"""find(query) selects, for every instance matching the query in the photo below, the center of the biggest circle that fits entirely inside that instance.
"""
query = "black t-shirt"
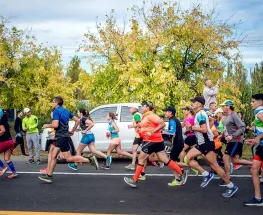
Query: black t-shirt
(6, 136)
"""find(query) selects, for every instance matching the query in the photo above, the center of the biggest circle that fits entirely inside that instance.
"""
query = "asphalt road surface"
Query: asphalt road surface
(104, 192)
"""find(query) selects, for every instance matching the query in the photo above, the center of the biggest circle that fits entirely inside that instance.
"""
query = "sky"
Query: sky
(63, 23)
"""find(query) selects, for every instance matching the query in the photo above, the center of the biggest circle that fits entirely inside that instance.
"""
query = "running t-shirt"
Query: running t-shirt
(221, 127)
(83, 125)
(111, 128)
(258, 124)
(200, 119)
(6, 136)
(191, 121)
(62, 115)
(137, 117)
(149, 122)
(218, 143)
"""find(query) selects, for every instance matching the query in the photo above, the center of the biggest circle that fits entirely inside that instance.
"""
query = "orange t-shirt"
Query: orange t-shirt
(149, 122)
(218, 143)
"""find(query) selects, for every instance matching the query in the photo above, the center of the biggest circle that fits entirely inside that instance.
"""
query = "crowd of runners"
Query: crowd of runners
(202, 133)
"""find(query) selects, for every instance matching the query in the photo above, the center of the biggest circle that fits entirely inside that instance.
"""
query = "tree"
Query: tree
(162, 56)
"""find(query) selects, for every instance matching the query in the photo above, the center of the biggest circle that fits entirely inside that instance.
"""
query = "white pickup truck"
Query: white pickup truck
(98, 116)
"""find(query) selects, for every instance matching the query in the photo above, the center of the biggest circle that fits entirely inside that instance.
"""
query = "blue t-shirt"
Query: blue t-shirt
(111, 128)
(171, 127)
(62, 115)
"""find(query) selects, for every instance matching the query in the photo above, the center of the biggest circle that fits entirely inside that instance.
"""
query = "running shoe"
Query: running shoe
(230, 192)
(30, 161)
(216, 176)
(94, 162)
(161, 164)
(207, 179)
(73, 166)
(231, 168)
(109, 160)
(153, 163)
(45, 178)
(45, 170)
(142, 178)
(38, 162)
(130, 182)
(237, 166)
(185, 176)
(13, 175)
(195, 172)
(254, 202)
(175, 183)
(130, 167)
(3, 171)
(104, 166)
(222, 184)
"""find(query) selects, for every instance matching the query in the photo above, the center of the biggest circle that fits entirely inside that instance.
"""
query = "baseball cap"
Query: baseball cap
(133, 106)
(171, 109)
(1, 112)
(227, 102)
(199, 99)
(188, 108)
(219, 110)
(26, 110)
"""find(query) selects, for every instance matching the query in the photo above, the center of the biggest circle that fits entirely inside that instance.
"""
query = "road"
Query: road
(104, 192)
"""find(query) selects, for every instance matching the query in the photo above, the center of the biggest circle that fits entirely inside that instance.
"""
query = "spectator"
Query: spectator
(29, 125)
(19, 132)
(210, 93)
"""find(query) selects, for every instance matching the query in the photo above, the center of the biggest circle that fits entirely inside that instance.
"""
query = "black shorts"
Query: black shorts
(259, 154)
(190, 140)
(63, 143)
(205, 148)
(137, 141)
(175, 152)
(234, 148)
(150, 147)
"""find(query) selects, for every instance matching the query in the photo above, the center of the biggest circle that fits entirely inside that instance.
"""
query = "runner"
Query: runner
(134, 110)
(88, 138)
(257, 106)
(176, 135)
(60, 122)
(150, 130)
(206, 147)
(19, 132)
(6, 146)
(234, 128)
(190, 140)
(115, 142)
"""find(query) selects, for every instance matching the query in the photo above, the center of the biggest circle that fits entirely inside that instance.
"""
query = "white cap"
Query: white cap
(219, 110)
(133, 106)
(26, 110)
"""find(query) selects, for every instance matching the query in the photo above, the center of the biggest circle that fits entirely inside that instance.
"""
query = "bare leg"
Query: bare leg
(256, 165)
(183, 153)
(94, 151)
(193, 153)
(226, 159)
(120, 152)
(53, 161)
(134, 153)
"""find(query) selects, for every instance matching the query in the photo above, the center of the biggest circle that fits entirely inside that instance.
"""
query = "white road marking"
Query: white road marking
(119, 174)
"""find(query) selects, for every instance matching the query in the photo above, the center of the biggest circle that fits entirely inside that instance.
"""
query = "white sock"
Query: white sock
(257, 198)
(205, 173)
(230, 185)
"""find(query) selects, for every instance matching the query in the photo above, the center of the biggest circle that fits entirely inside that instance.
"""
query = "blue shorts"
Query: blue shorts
(88, 139)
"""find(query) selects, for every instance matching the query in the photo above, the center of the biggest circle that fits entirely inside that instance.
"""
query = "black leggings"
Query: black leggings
(20, 141)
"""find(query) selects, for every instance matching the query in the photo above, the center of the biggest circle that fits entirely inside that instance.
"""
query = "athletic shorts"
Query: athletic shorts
(234, 148)
(259, 154)
(6, 145)
(175, 152)
(190, 140)
(88, 139)
(150, 147)
(137, 141)
(63, 143)
(205, 148)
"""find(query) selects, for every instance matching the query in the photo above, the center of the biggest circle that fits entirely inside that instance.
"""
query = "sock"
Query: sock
(50, 176)
(11, 166)
(257, 198)
(179, 180)
(205, 173)
(142, 173)
(174, 166)
(230, 185)
(138, 171)
(2, 165)
(76, 164)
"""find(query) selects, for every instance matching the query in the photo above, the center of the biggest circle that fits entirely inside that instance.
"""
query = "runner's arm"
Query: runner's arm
(76, 120)
(90, 123)
(172, 130)
(115, 127)
(240, 125)
(2, 130)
